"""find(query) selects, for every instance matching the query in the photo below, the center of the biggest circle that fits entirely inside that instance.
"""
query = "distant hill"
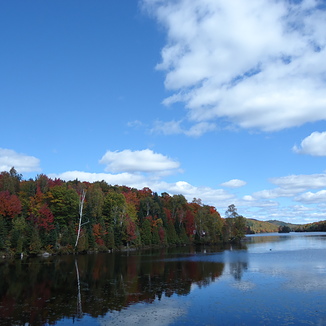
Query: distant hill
(293, 227)
(255, 226)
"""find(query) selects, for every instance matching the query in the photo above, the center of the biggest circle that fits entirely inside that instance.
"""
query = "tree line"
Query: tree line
(43, 215)
(312, 227)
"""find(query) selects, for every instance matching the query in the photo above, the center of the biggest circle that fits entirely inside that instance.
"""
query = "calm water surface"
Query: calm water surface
(274, 279)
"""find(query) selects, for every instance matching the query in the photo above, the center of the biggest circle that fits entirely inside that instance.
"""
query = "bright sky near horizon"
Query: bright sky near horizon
(219, 100)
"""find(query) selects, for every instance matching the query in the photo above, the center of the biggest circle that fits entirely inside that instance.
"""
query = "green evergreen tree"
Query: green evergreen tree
(172, 237)
(155, 236)
(90, 235)
(4, 232)
(146, 233)
(18, 233)
(109, 238)
(183, 236)
(34, 242)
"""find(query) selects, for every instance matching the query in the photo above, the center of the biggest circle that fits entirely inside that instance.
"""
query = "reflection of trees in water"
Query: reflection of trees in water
(79, 302)
(38, 291)
(177, 277)
(237, 269)
(237, 261)
(268, 238)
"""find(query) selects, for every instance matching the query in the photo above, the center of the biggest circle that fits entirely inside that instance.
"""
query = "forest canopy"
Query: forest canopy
(43, 215)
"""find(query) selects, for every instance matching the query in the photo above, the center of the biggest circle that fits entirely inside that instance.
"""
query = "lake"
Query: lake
(272, 279)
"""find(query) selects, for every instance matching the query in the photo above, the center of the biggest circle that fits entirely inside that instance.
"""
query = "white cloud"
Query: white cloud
(21, 162)
(259, 64)
(135, 124)
(312, 198)
(297, 214)
(168, 128)
(251, 201)
(209, 196)
(301, 208)
(275, 193)
(200, 128)
(265, 204)
(234, 183)
(137, 161)
(127, 179)
(175, 127)
(292, 185)
(315, 144)
(301, 182)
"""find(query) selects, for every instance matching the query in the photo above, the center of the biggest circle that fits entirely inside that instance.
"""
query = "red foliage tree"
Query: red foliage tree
(161, 233)
(130, 229)
(145, 192)
(45, 218)
(10, 205)
(39, 211)
(190, 222)
(98, 233)
(168, 214)
(131, 198)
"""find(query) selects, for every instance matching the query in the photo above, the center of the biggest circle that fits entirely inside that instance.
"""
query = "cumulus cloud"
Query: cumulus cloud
(297, 214)
(234, 183)
(258, 64)
(209, 195)
(21, 162)
(312, 198)
(137, 161)
(292, 185)
(314, 145)
(301, 182)
(127, 179)
(248, 198)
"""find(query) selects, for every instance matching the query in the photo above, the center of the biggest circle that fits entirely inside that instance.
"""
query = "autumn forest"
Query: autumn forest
(43, 215)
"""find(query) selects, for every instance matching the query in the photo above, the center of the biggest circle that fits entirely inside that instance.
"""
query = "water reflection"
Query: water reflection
(38, 291)
(79, 301)
(286, 241)
(279, 275)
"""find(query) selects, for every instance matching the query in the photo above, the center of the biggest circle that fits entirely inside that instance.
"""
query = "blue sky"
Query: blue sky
(219, 100)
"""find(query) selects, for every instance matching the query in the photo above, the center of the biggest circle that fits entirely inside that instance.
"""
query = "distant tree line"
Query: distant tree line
(313, 227)
(43, 215)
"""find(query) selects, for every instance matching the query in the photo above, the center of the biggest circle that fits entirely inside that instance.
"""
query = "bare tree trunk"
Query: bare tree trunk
(81, 204)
